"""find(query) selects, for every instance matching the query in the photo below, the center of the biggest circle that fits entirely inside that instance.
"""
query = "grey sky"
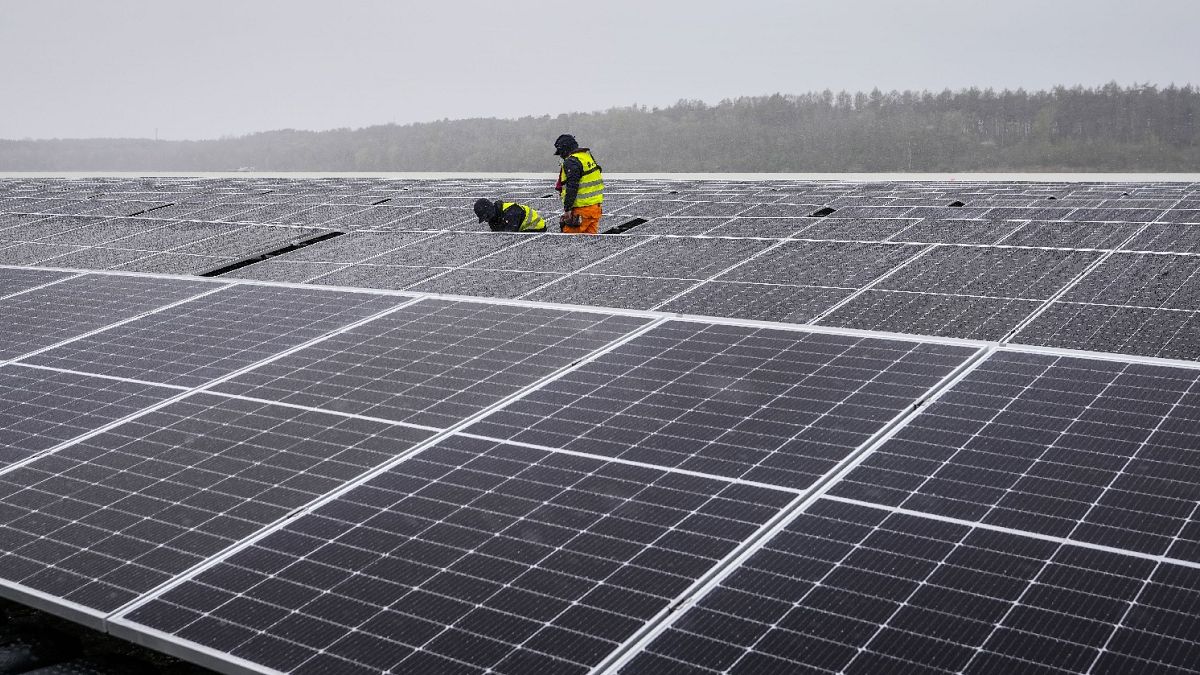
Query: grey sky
(207, 68)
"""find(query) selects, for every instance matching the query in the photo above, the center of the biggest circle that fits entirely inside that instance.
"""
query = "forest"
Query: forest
(1108, 128)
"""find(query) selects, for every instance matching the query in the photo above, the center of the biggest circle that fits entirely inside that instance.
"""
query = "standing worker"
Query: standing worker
(582, 187)
(509, 217)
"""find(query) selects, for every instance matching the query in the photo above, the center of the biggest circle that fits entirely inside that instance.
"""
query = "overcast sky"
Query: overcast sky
(210, 68)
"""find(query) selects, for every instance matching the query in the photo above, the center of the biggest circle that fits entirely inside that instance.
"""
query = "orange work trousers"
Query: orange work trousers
(589, 220)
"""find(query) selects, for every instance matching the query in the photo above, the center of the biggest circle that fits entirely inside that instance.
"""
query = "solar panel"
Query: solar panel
(755, 301)
(45, 316)
(472, 555)
(610, 291)
(41, 408)
(771, 406)
(1132, 303)
(850, 588)
(195, 342)
(17, 279)
(434, 362)
(113, 516)
(361, 482)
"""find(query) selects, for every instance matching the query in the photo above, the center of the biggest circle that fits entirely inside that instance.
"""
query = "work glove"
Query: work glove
(568, 220)
(558, 185)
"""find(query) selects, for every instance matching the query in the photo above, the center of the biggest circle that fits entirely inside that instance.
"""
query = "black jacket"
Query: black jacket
(508, 220)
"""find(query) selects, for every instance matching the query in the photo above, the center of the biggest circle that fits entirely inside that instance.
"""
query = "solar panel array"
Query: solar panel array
(778, 426)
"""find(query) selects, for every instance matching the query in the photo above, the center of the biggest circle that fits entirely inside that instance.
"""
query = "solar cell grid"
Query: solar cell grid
(823, 263)
(171, 263)
(45, 316)
(772, 406)
(554, 253)
(434, 362)
(991, 272)
(40, 409)
(957, 231)
(846, 588)
(471, 556)
(855, 229)
(759, 302)
(681, 258)
(967, 317)
(636, 293)
(1171, 237)
(387, 277)
(198, 341)
(32, 253)
(1094, 451)
(111, 517)
(285, 270)
(20, 279)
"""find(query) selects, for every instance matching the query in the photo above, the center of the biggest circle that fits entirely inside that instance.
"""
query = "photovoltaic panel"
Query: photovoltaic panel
(434, 362)
(848, 588)
(104, 520)
(610, 291)
(284, 270)
(555, 253)
(449, 249)
(354, 247)
(388, 277)
(823, 263)
(1071, 235)
(471, 556)
(174, 263)
(1173, 238)
(855, 229)
(40, 408)
(1132, 303)
(31, 253)
(45, 316)
(198, 341)
(1095, 451)
(681, 258)
(484, 283)
(957, 231)
(760, 302)
(777, 228)
(967, 317)
(18, 279)
(991, 272)
(778, 407)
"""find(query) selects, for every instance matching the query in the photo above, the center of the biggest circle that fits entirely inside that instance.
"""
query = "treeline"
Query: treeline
(1110, 128)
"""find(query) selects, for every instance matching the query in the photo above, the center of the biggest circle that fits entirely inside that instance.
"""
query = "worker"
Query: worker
(509, 217)
(582, 187)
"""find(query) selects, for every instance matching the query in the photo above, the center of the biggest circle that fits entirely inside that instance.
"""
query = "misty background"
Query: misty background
(759, 85)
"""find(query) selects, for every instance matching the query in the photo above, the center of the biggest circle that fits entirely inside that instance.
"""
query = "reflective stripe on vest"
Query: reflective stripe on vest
(591, 184)
(532, 222)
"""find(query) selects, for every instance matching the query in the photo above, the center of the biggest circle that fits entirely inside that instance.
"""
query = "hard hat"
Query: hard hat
(485, 209)
(565, 144)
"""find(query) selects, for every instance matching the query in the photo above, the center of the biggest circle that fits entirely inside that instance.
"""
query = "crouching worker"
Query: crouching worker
(509, 217)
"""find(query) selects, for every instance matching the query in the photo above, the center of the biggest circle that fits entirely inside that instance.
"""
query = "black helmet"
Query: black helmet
(485, 209)
(565, 145)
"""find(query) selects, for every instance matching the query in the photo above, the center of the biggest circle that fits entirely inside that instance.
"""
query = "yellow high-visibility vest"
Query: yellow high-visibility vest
(591, 184)
(533, 220)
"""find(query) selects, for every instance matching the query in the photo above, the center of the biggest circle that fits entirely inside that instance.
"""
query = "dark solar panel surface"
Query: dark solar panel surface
(847, 588)
(17, 280)
(198, 341)
(434, 362)
(1039, 514)
(773, 406)
(106, 519)
(43, 317)
(42, 408)
(472, 556)
(1099, 452)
